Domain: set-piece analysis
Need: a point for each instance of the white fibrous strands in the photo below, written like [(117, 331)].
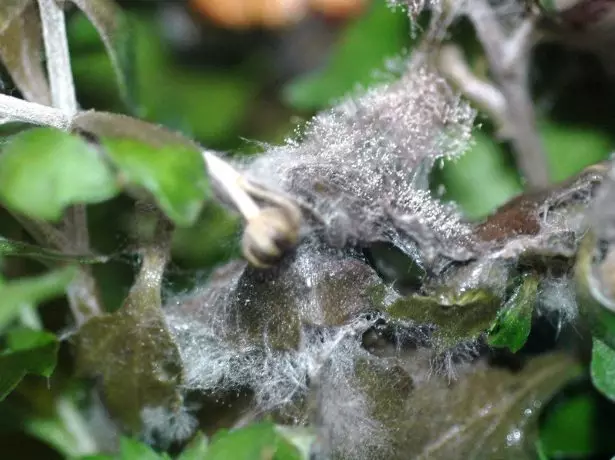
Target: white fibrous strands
[(363, 166)]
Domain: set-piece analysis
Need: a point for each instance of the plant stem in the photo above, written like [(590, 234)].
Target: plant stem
[(58, 57), (16, 109)]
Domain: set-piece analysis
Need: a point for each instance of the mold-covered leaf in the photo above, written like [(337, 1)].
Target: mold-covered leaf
[(21, 54), (603, 368), (514, 321), (364, 46), (488, 412), (254, 442), (14, 295), (21, 249), (9, 10), (174, 175), (132, 352), (363, 167), (27, 352), (114, 29), (43, 170), (196, 448), (458, 317)]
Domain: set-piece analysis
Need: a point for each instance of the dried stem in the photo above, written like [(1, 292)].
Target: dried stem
[(58, 57), (508, 58), (14, 109), (230, 180)]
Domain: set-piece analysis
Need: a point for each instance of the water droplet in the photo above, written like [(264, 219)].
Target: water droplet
[(514, 437)]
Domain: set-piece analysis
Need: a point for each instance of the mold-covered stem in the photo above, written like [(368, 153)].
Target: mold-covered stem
[(58, 57)]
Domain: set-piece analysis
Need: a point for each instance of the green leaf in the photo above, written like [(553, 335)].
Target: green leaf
[(577, 424), (28, 352), (458, 317), (571, 149), (254, 442), (196, 449), (14, 295), (365, 45), (480, 180), (514, 322), (19, 248), (115, 31), (174, 175), (43, 171), (131, 449), (21, 53), (603, 368)]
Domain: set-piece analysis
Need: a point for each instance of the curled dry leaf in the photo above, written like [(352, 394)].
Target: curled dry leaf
[(21, 54)]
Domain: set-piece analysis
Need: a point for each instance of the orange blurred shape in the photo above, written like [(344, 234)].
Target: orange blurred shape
[(242, 14), (338, 8)]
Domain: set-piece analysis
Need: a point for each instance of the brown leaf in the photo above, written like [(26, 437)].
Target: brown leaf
[(20, 51), (106, 124), (9, 10), (132, 351), (489, 413)]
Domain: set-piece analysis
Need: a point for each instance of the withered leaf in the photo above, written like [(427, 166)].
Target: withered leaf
[(271, 306), (115, 31), (132, 351), (21, 54), (9, 10), (105, 124), (457, 318), (488, 412)]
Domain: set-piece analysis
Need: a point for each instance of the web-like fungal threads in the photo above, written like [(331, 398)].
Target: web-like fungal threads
[(363, 166)]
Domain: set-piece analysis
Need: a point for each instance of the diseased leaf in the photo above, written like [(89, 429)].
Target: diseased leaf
[(21, 54), (196, 449), (104, 124), (132, 351), (28, 352), (174, 175), (488, 412), (43, 171), (603, 368), (364, 46), (457, 317), (14, 295), (514, 321), (115, 31), (254, 442), (9, 10), (21, 249)]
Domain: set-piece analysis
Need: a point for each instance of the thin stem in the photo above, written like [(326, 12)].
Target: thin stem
[(230, 180), (58, 57), (15, 109), (509, 61)]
